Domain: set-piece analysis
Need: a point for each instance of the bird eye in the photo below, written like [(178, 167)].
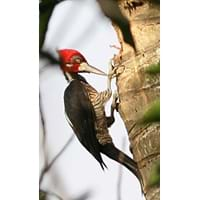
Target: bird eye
[(68, 65), (77, 59)]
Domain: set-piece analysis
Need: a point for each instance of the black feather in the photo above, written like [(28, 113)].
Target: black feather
[(81, 114)]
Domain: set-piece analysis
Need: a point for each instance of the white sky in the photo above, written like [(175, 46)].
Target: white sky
[(80, 25)]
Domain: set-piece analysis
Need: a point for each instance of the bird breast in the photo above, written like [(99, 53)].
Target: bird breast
[(98, 101)]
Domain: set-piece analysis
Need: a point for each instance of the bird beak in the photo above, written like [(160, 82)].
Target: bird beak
[(85, 67)]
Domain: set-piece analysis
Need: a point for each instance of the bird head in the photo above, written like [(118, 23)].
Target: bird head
[(72, 61)]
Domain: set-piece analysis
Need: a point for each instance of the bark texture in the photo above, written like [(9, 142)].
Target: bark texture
[(138, 89)]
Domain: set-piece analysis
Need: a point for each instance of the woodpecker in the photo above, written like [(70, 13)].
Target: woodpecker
[(84, 108)]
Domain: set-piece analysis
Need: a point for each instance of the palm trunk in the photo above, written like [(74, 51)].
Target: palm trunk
[(138, 89)]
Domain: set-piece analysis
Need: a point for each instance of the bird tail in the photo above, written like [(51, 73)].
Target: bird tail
[(112, 152), (103, 165)]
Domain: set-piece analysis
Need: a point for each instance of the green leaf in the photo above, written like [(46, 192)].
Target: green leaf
[(42, 195), (153, 113), (156, 2), (154, 179), (153, 69)]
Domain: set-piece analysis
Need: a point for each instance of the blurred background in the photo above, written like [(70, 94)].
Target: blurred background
[(75, 174)]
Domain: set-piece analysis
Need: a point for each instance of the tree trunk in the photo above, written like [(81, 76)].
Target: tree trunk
[(138, 89)]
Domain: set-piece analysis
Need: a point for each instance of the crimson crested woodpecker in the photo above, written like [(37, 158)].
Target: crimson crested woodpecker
[(84, 108)]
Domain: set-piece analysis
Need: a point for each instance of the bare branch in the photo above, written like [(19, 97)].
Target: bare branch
[(52, 60), (49, 56), (47, 168), (119, 182), (43, 124), (83, 196), (42, 114)]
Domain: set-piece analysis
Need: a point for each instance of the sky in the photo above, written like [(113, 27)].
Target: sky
[(81, 25), (180, 81)]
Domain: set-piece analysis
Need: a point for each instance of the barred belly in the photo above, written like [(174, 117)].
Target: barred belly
[(98, 101)]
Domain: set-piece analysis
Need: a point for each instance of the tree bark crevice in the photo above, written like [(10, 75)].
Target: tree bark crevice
[(138, 89)]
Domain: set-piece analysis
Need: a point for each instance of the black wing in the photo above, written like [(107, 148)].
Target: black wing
[(81, 114)]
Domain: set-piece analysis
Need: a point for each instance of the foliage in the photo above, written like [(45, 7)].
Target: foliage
[(156, 2), (153, 113), (42, 195), (154, 179), (153, 69)]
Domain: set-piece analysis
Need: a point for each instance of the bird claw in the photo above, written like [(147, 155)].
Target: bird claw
[(110, 66), (115, 102), (110, 74), (111, 70)]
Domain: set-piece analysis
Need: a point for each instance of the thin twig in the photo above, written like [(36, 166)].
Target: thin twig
[(119, 182), (43, 124), (47, 168), (49, 56), (83, 196), (115, 46), (42, 114)]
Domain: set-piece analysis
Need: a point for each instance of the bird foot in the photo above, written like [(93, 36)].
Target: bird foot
[(111, 73), (111, 70), (115, 101), (115, 70)]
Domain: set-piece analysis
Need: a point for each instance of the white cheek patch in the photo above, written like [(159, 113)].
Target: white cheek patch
[(69, 77), (68, 65)]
